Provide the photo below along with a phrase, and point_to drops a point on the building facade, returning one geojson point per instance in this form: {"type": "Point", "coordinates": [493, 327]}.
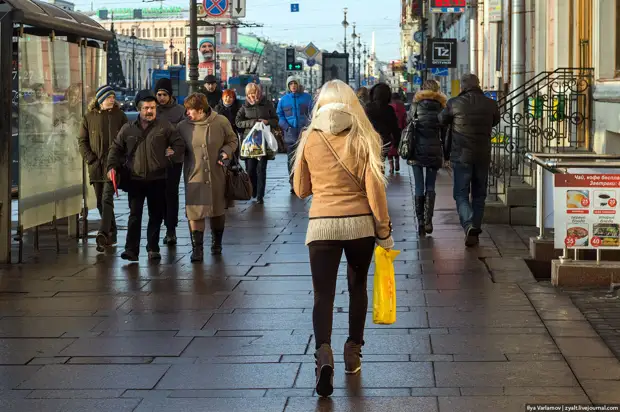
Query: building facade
{"type": "Point", "coordinates": [139, 57]}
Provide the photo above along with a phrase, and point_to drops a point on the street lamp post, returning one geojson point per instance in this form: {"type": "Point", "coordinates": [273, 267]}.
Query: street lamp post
{"type": "Point", "coordinates": [365, 62]}
{"type": "Point", "coordinates": [133, 62]}
{"type": "Point", "coordinates": [193, 46]}
{"type": "Point", "coordinates": [345, 24]}
{"type": "Point", "coordinates": [359, 60]}
{"type": "Point", "coordinates": [353, 36]}
{"type": "Point", "coordinates": [150, 77]}
{"type": "Point", "coordinates": [171, 47]}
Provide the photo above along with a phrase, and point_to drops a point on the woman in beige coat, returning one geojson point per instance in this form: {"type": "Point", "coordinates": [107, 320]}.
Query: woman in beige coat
{"type": "Point", "coordinates": [209, 139]}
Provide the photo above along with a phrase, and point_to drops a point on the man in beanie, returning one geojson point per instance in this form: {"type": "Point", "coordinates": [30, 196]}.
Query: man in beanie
{"type": "Point", "coordinates": [211, 90]}
{"type": "Point", "coordinates": [155, 145]}
{"type": "Point", "coordinates": [294, 114]}
{"type": "Point", "coordinates": [168, 109]}
{"type": "Point", "coordinates": [100, 126]}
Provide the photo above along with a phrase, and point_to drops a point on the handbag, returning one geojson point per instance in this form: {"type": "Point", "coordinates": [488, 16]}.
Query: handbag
{"type": "Point", "coordinates": [238, 184]}
{"type": "Point", "coordinates": [406, 148]}
{"type": "Point", "coordinates": [124, 172]}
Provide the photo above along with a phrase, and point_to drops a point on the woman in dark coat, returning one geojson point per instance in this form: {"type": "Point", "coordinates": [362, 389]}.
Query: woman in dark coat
{"type": "Point", "coordinates": [428, 152]}
{"type": "Point", "coordinates": [257, 108]}
{"type": "Point", "coordinates": [383, 117]}
{"type": "Point", "coordinates": [229, 107]}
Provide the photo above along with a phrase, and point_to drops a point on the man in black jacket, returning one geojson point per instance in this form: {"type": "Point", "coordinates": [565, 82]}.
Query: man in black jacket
{"type": "Point", "coordinates": [155, 144]}
{"type": "Point", "coordinates": [472, 117]}
{"type": "Point", "coordinates": [211, 90]}
{"type": "Point", "coordinates": [168, 109]}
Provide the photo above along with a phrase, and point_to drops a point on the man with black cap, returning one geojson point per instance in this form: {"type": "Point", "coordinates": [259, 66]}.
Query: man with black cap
{"type": "Point", "coordinates": [147, 146]}
{"type": "Point", "coordinates": [211, 90]}
{"type": "Point", "coordinates": [169, 109]}
{"type": "Point", "coordinates": [99, 129]}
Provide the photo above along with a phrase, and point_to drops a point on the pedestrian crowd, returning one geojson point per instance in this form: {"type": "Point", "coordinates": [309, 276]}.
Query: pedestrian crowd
{"type": "Point", "coordinates": [337, 146]}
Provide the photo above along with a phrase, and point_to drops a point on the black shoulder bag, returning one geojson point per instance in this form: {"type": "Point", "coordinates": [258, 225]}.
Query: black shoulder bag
{"type": "Point", "coordinates": [124, 173]}
{"type": "Point", "coordinates": [238, 183]}
{"type": "Point", "coordinates": [406, 148]}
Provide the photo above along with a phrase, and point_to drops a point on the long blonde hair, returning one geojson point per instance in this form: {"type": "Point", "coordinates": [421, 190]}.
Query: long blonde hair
{"type": "Point", "coordinates": [362, 141]}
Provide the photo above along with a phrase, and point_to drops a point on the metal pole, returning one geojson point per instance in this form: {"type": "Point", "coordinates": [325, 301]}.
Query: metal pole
{"type": "Point", "coordinates": [517, 70]}
{"type": "Point", "coordinates": [599, 252]}
{"type": "Point", "coordinates": [133, 64]}
{"type": "Point", "coordinates": [6, 46]}
{"type": "Point", "coordinates": [473, 38]}
{"type": "Point", "coordinates": [193, 46]}
{"type": "Point", "coordinates": [540, 200]}
{"type": "Point", "coordinates": [345, 24]}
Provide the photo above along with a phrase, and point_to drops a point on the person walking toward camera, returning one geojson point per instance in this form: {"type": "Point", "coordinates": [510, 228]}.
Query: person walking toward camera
{"type": "Point", "coordinates": [257, 108]}
{"type": "Point", "coordinates": [472, 116]}
{"type": "Point", "coordinates": [428, 151]}
{"type": "Point", "coordinates": [338, 162]}
{"type": "Point", "coordinates": [170, 110]}
{"type": "Point", "coordinates": [99, 129]}
{"type": "Point", "coordinates": [151, 144]}
{"type": "Point", "coordinates": [210, 144]}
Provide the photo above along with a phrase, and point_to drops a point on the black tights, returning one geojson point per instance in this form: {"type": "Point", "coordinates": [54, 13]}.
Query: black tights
{"type": "Point", "coordinates": [324, 262]}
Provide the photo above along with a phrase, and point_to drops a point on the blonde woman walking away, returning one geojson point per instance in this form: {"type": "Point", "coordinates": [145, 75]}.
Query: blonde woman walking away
{"type": "Point", "coordinates": [338, 162]}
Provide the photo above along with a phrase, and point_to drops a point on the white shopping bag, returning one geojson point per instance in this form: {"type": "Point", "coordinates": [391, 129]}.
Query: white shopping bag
{"type": "Point", "coordinates": [272, 143]}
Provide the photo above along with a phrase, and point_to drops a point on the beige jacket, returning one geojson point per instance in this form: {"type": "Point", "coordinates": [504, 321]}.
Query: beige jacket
{"type": "Point", "coordinates": [205, 180]}
{"type": "Point", "coordinates": [340, 210]}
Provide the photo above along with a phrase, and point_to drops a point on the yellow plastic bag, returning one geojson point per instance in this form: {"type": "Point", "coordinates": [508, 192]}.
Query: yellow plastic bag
{"type": "Point", "coordinates": [384, 296]}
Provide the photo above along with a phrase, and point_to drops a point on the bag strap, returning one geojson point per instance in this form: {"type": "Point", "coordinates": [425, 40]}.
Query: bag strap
{"type": "Point", "coordinates": [132, 152]}
{"type": "Point", "coordinates": [346, 169]}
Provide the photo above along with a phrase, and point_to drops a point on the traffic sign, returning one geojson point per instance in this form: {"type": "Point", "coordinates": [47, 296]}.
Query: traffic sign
{"type": "Point", "coordinates": [418, 36]}
{"type": "Point", "coordinates": [417, 80]}
{"type": "Point", "coordinates": [441, 53]}
{"type": "Point", "coordinates": [216, 8]}
{"type": "Point", "coordinates": [294, 7]}
{"type": "Point", "coordinates": [442, 71]}
{"type": "Point", "coordinates": [311, 50]}
{"type": "Point", "coordinates": [311, 62]}
{"type": "Point", "coordinates": [448, 6]}
{"type": "Point", "coordinates": [491, 94]}
{"type": "Point", "coordinates": [238, 9]}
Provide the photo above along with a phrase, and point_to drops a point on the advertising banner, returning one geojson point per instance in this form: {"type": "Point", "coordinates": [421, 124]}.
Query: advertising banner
{"type": "Point", "coordinates": [206, 56]}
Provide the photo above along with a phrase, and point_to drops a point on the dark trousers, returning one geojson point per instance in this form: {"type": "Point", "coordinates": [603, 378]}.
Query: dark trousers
{"type": "Point", "coordinates": [104, 191]}
{"type": "Point", "coordinates": [171, 206]}
{"type": "Point", "coordinates": [470, 179]}
{"type": "Point", "coordinates": [257, 170]}
{"type": "Point", "coordinates": [154, 193]}
{"type": "Point", "coordinates": [324, 262]}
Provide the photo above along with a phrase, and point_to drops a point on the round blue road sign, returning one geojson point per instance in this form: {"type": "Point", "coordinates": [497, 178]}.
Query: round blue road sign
{"type": "Point", "coordinates": [311, 62]}
{"type": "Point", "coordinates": [418, 36]}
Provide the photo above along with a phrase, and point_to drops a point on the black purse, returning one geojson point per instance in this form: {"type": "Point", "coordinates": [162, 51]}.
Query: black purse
{"type": "Point", "coordinates": [238, 183]}
{"type": "Point", "coordinates": [406, 148]}
{"type": "Point", "coordinates": [124, 172]}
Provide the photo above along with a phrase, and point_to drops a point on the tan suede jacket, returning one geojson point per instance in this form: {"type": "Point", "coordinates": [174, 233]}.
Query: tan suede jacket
{"type": "Point", "coordinates": [335, 194]}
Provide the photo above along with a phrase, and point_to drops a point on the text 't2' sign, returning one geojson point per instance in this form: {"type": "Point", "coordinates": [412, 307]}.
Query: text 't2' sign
{"type": "Point", "coordinates": [441, 53]}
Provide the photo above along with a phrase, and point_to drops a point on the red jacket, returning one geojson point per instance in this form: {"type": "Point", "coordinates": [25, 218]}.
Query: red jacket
{"type": "Point", "coordinates": [401, 113]}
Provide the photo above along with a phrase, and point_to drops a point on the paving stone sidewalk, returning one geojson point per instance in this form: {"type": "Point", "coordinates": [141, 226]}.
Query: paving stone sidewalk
{"type": "Point", "coordinates": [474, 332]}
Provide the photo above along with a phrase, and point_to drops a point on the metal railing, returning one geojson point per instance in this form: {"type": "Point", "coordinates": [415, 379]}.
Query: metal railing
{"type": "Point", "coordinates": [557, 163]}
{"type": "Point", "coordinates": [551, 113]}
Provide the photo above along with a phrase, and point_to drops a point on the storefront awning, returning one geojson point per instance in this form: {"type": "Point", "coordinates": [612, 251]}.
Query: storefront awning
{"type": "Point", "coordinates": [44, 15]}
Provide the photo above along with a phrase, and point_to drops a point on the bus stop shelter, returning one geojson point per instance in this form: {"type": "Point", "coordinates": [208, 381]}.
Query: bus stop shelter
{"type": "Point", "coordinates": [51, 64]}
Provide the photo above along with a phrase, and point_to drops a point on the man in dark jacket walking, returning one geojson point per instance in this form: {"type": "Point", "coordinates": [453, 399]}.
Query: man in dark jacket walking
{"type": "Point", "coordinates": [211, 90]}
{"type": "Point", "coordinates": [99, 129]}
{"type": "Point", "coordinates": [155, 144]}
{"type": "Point", "coordinates": [168, 109]}
{"type": "Point", "coordinates": [472, 116]}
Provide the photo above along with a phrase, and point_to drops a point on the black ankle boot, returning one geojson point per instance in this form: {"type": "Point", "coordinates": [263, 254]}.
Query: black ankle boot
{"type": "Point", "coordinates": [216, 242]}
{"type": "Point", "coordinates": [419, 212]}
{"type": "Point", "coordinates": [429, 208]}
{"type": "Point", "coordinates": [198, 246]}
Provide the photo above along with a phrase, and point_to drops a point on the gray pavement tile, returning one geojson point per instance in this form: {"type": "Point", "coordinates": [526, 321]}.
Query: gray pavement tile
{"type": "Point", "coordinates": [12, 376]}
{"type": "Point", "coordinates": [213, 405]}
{"type": "Point", "coordinates": [468, 374]}
{"type": "Point", "coordinates": [207, 393]}
{"type": "Point", "coordinates": [595, 368]}
{"type": "Point", "coordinates": [526, 357]}
{"type": "Point", "coordinates": [570, 328]}
{"type": "Point", "coordinates": [309, 358]}
{"type": "Point", "coordinates": [76, 394]}
{"type": "Point", "coordinates": [482, 391]}
{"type": "Point", "coordinates": [451, 317]}
{"type": "Point", "coordinates": [501, 403]}
{"type": "Point", "coordinates": [156, 321]}
{"type": "Point", "coordinates": [373, 375]}
{"type": "Point", "coordinates": [172, 303]}
{"type": "Point", "coordinates": [45, 327]}
{"type": "Point", "coordinates": [289, 393]}
{"type": "Point", "coordinates": [42, 305]}
{"type": "Point", "coordinates": [379, 404]}
{"type": "Point", "coordinates": [49, 360]}
{"type": "Point", "coordinates": [492, 344]}
{"type": "Point", "coordinates": [64, 405]}
{"type": "Point", "coordinates": [20, 351]}
{"type": "Point", "coordinates": [357, 391]}
{"type": "Point", "coordinates": [240, 346]}
{"type": "Point", "coordinates": [543, 391]}
{"type": "Point", "coordinates": [575, 347]}
{"type": "Point", "coordinates": [127, 346]}
{"type": "Point", "coordinates": [386, 345]}
{"type": "Point", "coordinates": [480, 357]}
{"type": "Point", "coordinates": [95, 377]}
{"type": "Point", "coordinates": [110, 360]}
{"type": "Point", "coordinates": [229, 376]}
{"type": "Point", "coordinates": [434, 282]}
{"type": "Point", "coordinates": [498, 330]}
{"type": "Point", "coordinates": [240, 359]}
{"type": "Point", "coordinates": [602, 391]}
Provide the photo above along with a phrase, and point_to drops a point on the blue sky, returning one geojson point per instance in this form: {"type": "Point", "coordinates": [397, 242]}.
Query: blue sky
{"type": "Point", "coordinates": [318, 21]}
